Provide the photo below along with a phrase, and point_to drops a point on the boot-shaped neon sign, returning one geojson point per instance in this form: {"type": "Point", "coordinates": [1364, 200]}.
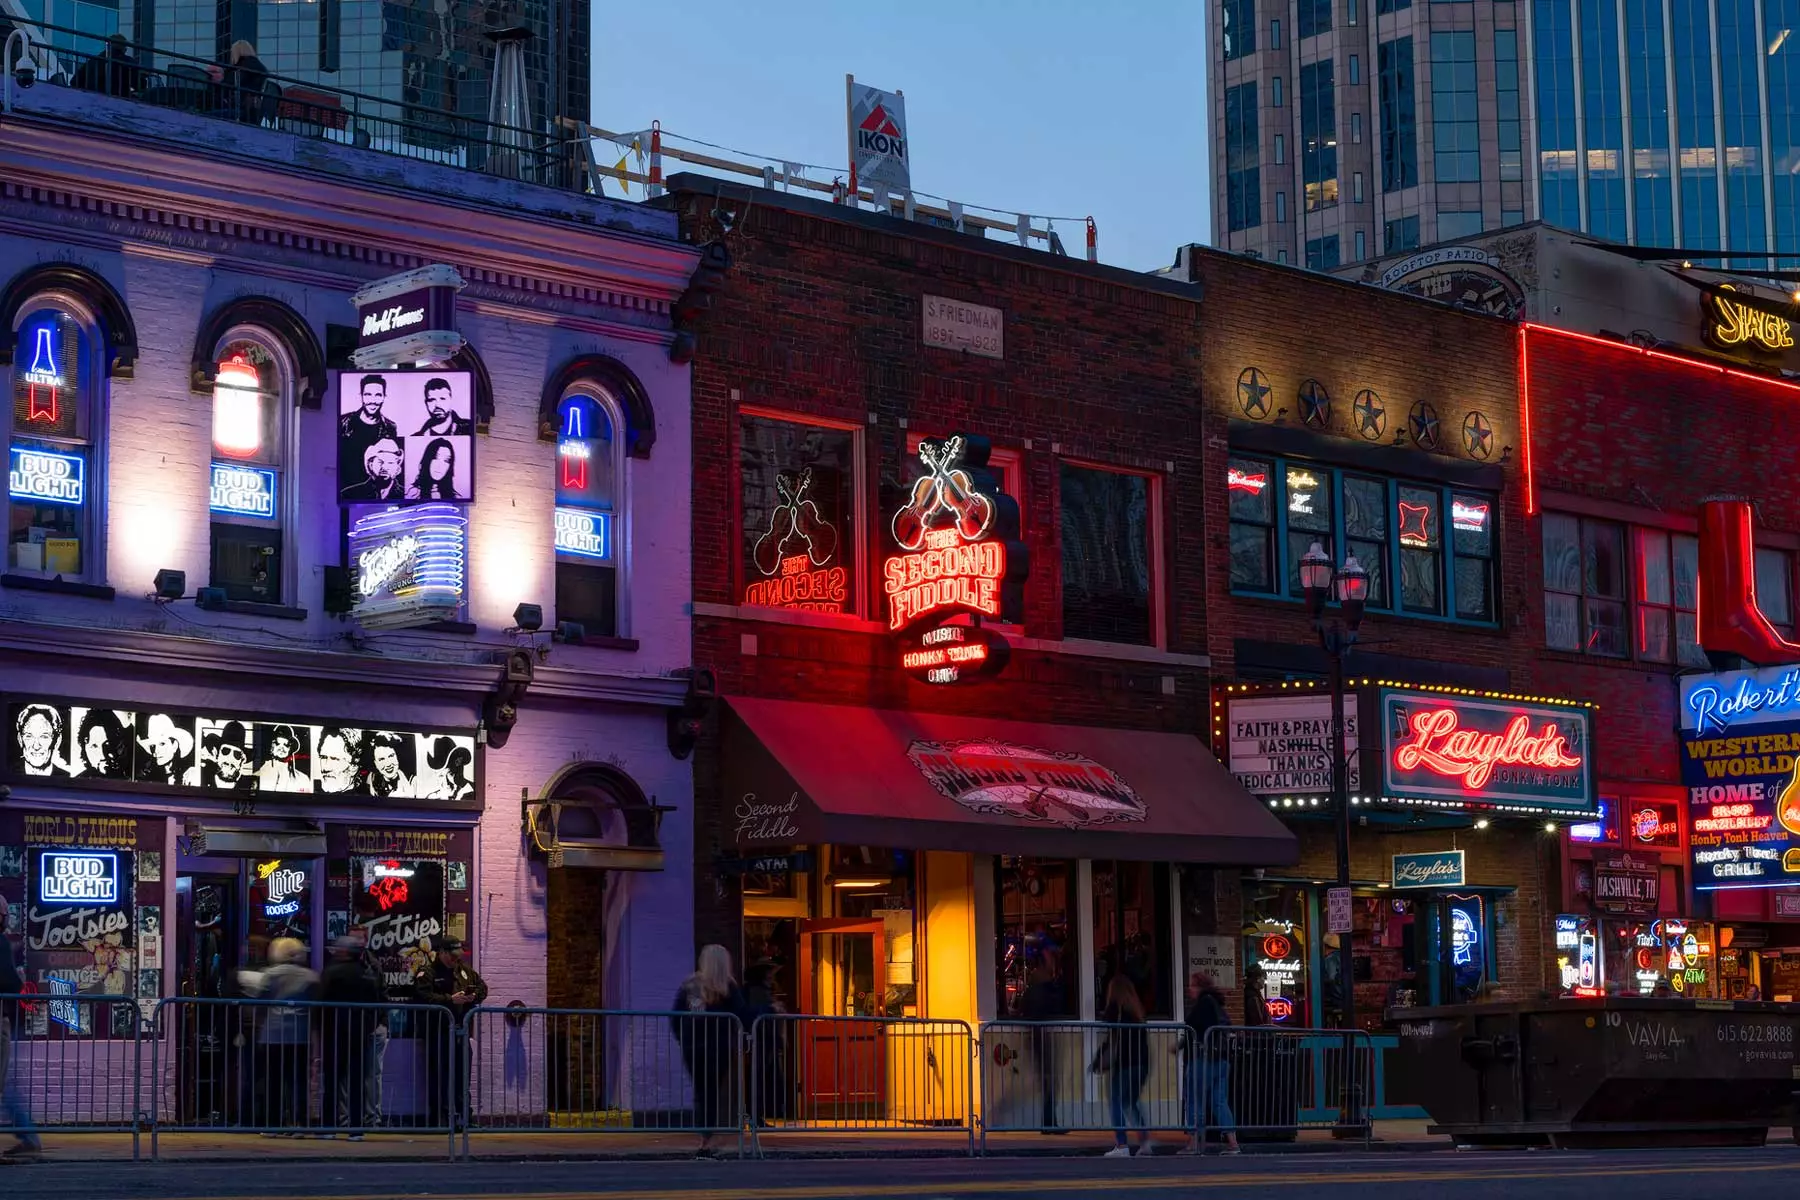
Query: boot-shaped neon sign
{"type": "Point", "coordinates": [1730, 621]}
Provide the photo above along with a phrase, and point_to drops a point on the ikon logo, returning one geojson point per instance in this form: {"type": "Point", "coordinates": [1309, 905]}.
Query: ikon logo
{"type": "Point", "coordinates": [879, 134]}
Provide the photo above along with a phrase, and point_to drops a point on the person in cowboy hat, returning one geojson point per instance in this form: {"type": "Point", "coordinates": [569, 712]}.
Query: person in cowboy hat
{"type": "Point", "coordinates": [225, 760]}
{"type": "Point", "coordinates": [280, 771]}
{"type": "Point", "coordinates": [167, 747]}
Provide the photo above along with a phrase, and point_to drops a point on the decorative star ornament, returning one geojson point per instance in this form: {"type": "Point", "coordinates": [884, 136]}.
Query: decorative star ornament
{"type": "Point", "coordinates": [1370, 414]}
{"type": "Point", "coordinates": [1478, 436]}
{"type": "Point", "coordinates": [1315, 403]}
{"type": "Point", "coordinates": [1423, 423]}
{"type": "Point", "coordinates": [1253, 393]}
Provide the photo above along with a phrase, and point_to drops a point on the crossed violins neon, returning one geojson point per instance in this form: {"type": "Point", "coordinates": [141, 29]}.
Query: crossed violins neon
{"type": "Point", "coordinates": [794, 520]}
{"type": "Point", "coordinates": [957, 534]}
{"type": "Point", "coordinates": [945, 490]}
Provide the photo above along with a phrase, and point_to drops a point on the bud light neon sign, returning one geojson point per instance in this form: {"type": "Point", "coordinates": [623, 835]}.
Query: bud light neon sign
{"type": "Point", "coordinates": [243, 491]}
{"type": "Point", "coordinates": [46, 476]}
{"type": "Point", "coordinates": [78, 877]}
{"type": "Point", "coordinates": [584, 534]}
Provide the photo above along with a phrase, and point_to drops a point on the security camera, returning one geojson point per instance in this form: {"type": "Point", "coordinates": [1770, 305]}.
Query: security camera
{"type": "Point", "coordinates": [24, 75]}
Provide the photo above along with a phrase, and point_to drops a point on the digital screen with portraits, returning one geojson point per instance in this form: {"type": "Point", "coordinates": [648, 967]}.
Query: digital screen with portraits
{"type": "Point", "coordinates": [54, 739]}
{"type": "Point", "coordinates": [405, 437]}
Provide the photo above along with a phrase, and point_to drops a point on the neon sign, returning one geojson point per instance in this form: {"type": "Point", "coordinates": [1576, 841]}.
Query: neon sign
{"type": "Point", "coordinates": [1438, 745]}
{"type": "Point", "coordinates": [800, 585]}
{"type": "Point", "coordinates": [243, 491]}
{"type": "Point", "coordinates": [1713, 703]}
{"type": "Point", "coordinates": [1253, 482]}
{"type": "Point", "coordinates": [1302, 487]}
{"type": "Point", "coordinates": [955, 654]}
{"type": "Point", "coordinates": [1735, 323]}
{"type": "Point", "coordinates": [237, 409]}
{"type": "Point", "coordinates": [958, 539]}
{"type": "Point", "coordinates": [1470, 518]}
{"type": "Point", "coordinates": [284, 884]}
{"type": "Point", "coordinates": [78, 877]}
{"type": "Point", "coordinates": [584, 533]}
{"type": "Point", "coordinates": [796, 553]}
{"type": "Point", "coordinates": [1280, 1008]}
{"type": "Point", "coordinates": [410, 565]}
{"type": "Point", "coordinates": [1465, 936]}
{"type": "Point", "coordinates": [1277, 946]}
{"type": "Point", "coordinates": [46, 476]}
{"type": "Point", "coordinates": [1415, 524]}
{"type": "Point", "coordinates": [573, 457]}
{"type": "Point", "coordinates": [43, 374]}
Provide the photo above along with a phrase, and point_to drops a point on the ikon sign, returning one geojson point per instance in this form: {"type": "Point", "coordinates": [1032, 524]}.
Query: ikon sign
{"type": "Point", "coordinates": [954, 654]}
{"type": "Point", "coordinates": [958, 541]}
{"type": "Point", "coordinates": [1472, 750]}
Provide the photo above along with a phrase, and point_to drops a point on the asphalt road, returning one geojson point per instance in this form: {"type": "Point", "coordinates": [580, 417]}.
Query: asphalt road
{"type": "Point", "coordinates": [1543, 1175]}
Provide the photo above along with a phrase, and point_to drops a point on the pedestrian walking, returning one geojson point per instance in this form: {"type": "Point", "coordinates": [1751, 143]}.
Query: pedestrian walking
{"type": "Point", "coordinates": [1045, 1000]}
{"type": "Point", "coordinates": [448, 983]}
{"type": "Point", "coordinates": [1208, 1066]}
{"type": "Point", "coordinates": [709, 1044]}
{"type": "Point", "coordinates": [770, 1083]}
{"type": "Point", "coordinates": [376, 1059]}
{"type": "Point", "coordinates": [282, 1059]}
{"type": "Point", "coordinates": [349, 993]}
{"type": "Point", "coordinates": [1126, 1055]}
{"type": "Point", "coordinates": [27, 1147]}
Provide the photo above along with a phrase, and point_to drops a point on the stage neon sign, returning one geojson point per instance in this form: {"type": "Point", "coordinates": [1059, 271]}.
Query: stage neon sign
{"type": "Point", "coordinates": [957, 536]}
{"type": "Point", "coordinates": [1439, 745]}
{"type": "Point", "coordinates": [1736, 323]}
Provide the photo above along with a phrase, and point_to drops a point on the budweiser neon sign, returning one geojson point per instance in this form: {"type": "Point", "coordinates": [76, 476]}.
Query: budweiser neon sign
{"type": "Point", "coordinates": [957, 535]}
{"type": "Point", "coordinates": [1471, 755]}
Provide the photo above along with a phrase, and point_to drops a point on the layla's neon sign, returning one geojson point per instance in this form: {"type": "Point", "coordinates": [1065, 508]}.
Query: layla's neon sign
{"type": "Point", "coordinates": [957, 535]}
{"type": "Point", "coordinates": [1736, 324]}
{"type": "Point", "coordinates": [1440, 746]}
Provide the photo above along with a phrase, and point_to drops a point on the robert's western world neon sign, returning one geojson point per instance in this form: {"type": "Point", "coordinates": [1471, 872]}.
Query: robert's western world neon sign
{"type": "Point", "coordinates": [958, 553]}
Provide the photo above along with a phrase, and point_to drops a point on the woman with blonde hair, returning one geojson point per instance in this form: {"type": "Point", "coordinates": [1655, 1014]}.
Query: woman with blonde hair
{"type": "Point", "coordinates": [709, 1042]}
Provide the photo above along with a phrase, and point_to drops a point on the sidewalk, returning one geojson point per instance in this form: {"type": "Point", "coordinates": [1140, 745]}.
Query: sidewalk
{"type": "Point", "coordinates": [60, 1146]}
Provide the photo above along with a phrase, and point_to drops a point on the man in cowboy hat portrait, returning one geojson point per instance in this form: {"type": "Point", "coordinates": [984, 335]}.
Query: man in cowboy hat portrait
{"type": "Point", "coordinates": [224, 758]}
{"type": "Point", "coordinates": [168, 748]}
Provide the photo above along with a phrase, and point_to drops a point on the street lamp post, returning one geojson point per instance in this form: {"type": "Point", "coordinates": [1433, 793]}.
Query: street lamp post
{"type": "Point", "coordinates": [1321, 581]}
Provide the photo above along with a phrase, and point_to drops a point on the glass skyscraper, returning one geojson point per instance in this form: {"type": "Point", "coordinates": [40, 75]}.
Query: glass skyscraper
{"type": "Point", "coordinates": [1671, 123]}
{"type": "Point", "coordinates": [426, 56]}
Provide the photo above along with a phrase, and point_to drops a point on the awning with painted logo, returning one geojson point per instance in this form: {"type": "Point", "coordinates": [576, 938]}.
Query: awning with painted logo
{"type": "Point", "coordinates": [799, 773]}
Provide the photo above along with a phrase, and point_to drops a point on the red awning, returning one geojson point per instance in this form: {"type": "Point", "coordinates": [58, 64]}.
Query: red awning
{"type": "Point", "coordinates": [800, 773]}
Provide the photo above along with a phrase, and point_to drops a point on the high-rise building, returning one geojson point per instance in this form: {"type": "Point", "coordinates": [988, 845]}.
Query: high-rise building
{"type": "Point", "coordinates": [432, 57]}
{"type": "Point", "coordinates": [1348, 129]}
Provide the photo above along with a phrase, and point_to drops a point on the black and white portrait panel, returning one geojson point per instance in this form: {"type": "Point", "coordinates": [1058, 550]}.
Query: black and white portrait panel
{"type": "Point", "coordinates": [165, 750]}
{"type": "Point", "coordinates": [104, 745]}
{"type": "Point", "coordinates": [406, 437]}
{"type": "Point", "coordinates": [446, 768]}
{"type": "Point", "coordinates": [392, 763]}
{"type": "Point", "coordinates": [283, 757]}
{"type": "Point", "coordinates": [226, 755]}
{"type": "Point", "coordinates": [339, 752]}
{"type": "Point", "coordinates": [40, 739]}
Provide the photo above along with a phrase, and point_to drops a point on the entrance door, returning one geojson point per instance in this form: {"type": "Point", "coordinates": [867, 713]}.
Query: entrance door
{"type": "Point", "coordinates": [207, 927]}
{"type": "Point", "coordinates": [843, 1063]}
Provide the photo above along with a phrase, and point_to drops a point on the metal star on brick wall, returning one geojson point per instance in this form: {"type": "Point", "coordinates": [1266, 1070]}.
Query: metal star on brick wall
{"type": "Point", "coordinates": [1253, 393]}
{"type": "Point", "coordinates": [1478, 436]}
{"type": "Point", "coordinates": [1423, 422]}
{"type": "Point", "coordinates": [1370, 414]}
{"type": "Point", "coordinates": [1315, 403]}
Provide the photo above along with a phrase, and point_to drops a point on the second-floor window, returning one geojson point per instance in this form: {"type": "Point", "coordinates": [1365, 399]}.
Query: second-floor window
{"type": "Point", "coordinates": [54, 446]}
{"type": "Point", "coordinates": [1107, 555]}
{"type": "Point", "coordinates": [798, 485]}
{"type": "Point", "coordinates": [248, 487]}
{"type": "Point", "coordinates": [589, 475]}
{"type": "Point", "coordinates": [1430, 550]}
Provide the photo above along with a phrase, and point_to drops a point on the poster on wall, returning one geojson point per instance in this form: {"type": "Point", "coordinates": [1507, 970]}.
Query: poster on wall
{"type": "Point", "coordinates": [232, 754]}
{"type": "Point", "coordinates": [1281, 745]}
{"type": "Point", "coordinates": [79, 930]}
{"type": "Point", "coordinates": [1486, 751]}
{"type": "Point", "coordinates": [399, 906]}
{"type": "Point", "coordinates": [1740, 763]}
{"type": "Point", "coordinates": [405, 437]}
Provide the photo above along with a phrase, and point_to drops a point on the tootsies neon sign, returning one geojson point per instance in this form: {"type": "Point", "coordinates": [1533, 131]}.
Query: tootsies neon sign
{"type": "Point", "coordinates": [1529, 756]}
{"type": "Point", "coordinates": [958, 540]}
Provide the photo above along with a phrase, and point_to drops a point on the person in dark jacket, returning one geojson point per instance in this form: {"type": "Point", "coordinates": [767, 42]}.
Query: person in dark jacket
{"type": "Point", "coordinates": [1046, 1000]}
{"type": "Point", "coordinates": [113, 71]}
{"type": "Point", "coordinates": [1126, 1054]}
{"type": "Point", "coordinates": [1208, 1067]}
{"type": "Point", "coordinates": [710, 1044]}
{"type": "Point", "coordinates": [1256, 998]}
{"type": "Point", "coordinates": [349, 1028]}
{"type": "Point", "coordinates": [448, 983]}
{"type": "Point", "coordinates": [12, 1091]}
{"type": "Point", "coordinates": [771, 1077]}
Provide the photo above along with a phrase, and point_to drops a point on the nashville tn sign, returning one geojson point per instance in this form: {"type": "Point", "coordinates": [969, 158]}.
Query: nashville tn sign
{"type": "Point", "coordinates": [958, 554]}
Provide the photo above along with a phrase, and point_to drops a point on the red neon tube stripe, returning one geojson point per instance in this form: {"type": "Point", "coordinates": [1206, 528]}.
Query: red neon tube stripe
{"type": "Point", "coordinates": [1525, 419]}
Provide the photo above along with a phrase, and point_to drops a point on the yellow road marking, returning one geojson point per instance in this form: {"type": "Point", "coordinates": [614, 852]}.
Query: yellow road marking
{"type": "Point", "coordinates": [951, 1186]}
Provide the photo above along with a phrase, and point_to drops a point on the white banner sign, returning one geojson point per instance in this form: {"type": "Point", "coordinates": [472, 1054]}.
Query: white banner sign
{"type": "Point", "coordinates": [1281, 745]}
{"type": "Point", "coordinates": [1217, 956]}
{"type": "Point", "coordinates": [878, 152]}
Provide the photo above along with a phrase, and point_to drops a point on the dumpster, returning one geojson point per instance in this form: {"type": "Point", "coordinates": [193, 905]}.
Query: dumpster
{"type": "Point", "coordinates": [1620, 1072]}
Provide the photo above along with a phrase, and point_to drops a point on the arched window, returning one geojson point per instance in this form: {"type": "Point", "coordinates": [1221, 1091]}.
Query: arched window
{"type": "Point", "coordinates": [590, 486]}
{"type": "Point", "coordinates": [252, 405]}
{"type": "Point", "coordinates": [54, 460]}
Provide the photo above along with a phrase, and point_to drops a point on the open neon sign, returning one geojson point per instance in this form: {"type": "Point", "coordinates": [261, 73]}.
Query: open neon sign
{"type": "Point", "coordinates": [957, 534]}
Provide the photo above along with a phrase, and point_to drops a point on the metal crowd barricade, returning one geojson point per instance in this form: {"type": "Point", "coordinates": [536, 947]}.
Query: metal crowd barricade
{"type": "Point", "coordinates": [541, 1070]}
{"type": "Point", "coordinates": [1082, 1075]}
{"type": "Point", "coordinates": [1277, 1082]}
{"type": "Point", "coordinates": [297, 1068]}
{"type": "Point", "coordinates": [860, 1075]}
{"type": "Point", "coordinates": [72, 1063]}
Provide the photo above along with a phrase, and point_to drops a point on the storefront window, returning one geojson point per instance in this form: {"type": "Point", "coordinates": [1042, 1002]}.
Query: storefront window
{"type": "Point", "coordinates": [51, 456]}
{"type": "Point", "coordinates": [1131, 932]}
{"type": "Point", "coordinates": [797, 501]}
{"type": "Point", "coordinates": [1035, 971]}
{"type": "Point", "coordinates": [281, 893]}
{"type": "Point", "coordinates": [1275, 941]}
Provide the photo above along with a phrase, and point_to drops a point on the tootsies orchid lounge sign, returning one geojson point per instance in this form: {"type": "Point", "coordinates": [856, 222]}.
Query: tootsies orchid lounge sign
{"type": "Point", "coordinates": [1454, 750]}
{"type": "Point", "coordinates": [56, 742]}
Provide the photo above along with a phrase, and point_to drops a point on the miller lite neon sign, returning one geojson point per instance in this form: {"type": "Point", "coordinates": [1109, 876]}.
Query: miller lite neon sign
{"type": "Point", "coordinates": [958, 541]}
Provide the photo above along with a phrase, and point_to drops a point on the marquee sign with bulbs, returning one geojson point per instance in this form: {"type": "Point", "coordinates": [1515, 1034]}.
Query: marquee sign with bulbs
{"type": "Point", "coordinates": [957, 560]}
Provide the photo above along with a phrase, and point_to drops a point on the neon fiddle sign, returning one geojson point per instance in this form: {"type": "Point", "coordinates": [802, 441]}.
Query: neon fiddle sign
{"type": "Point", "coordinates": [957, 535]}
{"type": "Point", "coordinates": [1440, 746]}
